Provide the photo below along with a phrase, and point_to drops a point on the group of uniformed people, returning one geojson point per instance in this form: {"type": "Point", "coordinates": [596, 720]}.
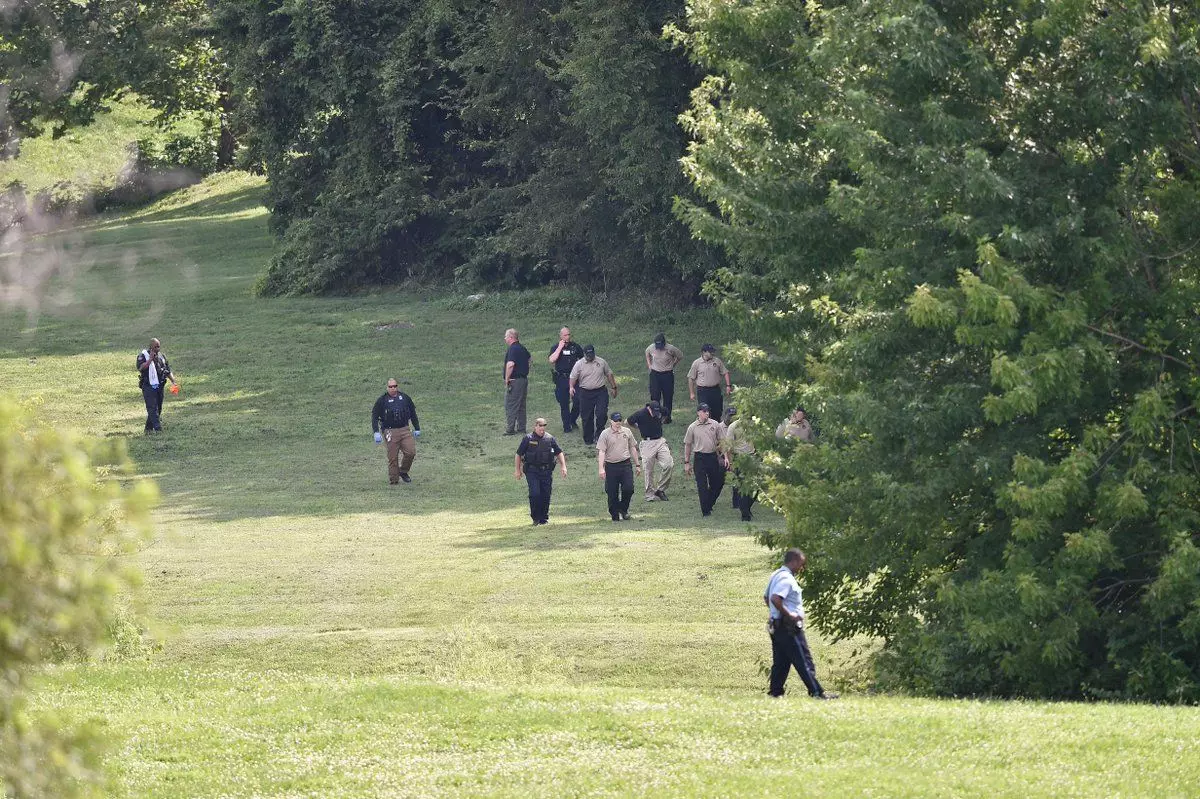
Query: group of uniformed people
{"type": "Point", "coordinates": [583, 385]}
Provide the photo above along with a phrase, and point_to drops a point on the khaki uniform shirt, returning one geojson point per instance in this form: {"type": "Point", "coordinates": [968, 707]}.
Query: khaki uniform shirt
{"type": "Point", "coordinates": [789, 429]}
{"type": "Point", "coordinates": [737, 443]}
{"type": "Point", "coordinates": [664, 360]}
{"type": "Point", "coordinates": [707, 374]}
{"type": "Point", "coordinates": [591, 375]}
{"type": "Point", "coordinates": [704, 437]}
{"type": "Point", "coordinates": [616, 447]}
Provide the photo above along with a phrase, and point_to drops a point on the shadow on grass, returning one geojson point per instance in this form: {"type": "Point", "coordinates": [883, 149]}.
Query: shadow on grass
{"type": "Point", "coordinates": [601, 531]}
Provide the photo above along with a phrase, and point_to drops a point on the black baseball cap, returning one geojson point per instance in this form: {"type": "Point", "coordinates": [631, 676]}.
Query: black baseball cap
{"type": "Point", "coordinates": [660, 341]}
{"type": "Point", "coordinates": [616, 416]}
{"type": "Point", "coordinates": [654, 405]}
{"type": "Point", "coordinates": [708, 348]}
{"type": "Point", "coordinates": [588, 349]}
{"type": "Point", "coordinates": [703, 407]}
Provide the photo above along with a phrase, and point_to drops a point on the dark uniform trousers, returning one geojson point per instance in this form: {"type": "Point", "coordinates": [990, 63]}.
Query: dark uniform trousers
{"type": "Point", "coordinates": [662, 388]}
{"type": "Point", "coordinates": [568, 406]}
{"type": "Point", "coordinates": [710, 479]}
{"type": "Point", "coordinates": [154, 402]}
{"type": "Point", "coordinates": [593, 409]}
{"type": "Point", "coordinates": [541, 482]}
{"type": "Point", "coordinates": [742, 501]}
{"type": "Point", "coordinates": [618, 484]}
{"type": "Point", "coordinates": [790, 648]}
{"type": "Point", "coordinates": [715, 399]}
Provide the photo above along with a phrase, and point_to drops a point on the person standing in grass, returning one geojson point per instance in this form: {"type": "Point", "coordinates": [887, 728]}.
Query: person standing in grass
{"type": "Point", "coordinates": [562, 360]}
{"type": "Point", "coordinates": [789, 646]}
{"type": "Point", "coordinates": [738, 447]}
{"type": "Point", "coordinates": [704, 380]}
{"type": "Point", "coordinates": [701, 443]}
{"type": "Point", "coordinates": [653, 450]}
{"type": "Point", "coordinates": [153, 374]}
{"type": "Point", "coordinates": [589, 380]}
{"type": "Point", "coordinates": [617, 457]}
{"type": "Point", "coordinates": [661, 359]}
{"type": "Point", "coordinates": [390, 418]}
{"type": "Point", "coordinates": [516, 383]}
{"type": "Point", "coordinates": [536, 455]}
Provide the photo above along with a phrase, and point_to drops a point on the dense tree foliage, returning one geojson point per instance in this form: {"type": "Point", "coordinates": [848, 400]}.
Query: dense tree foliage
{"type": "Point", "coordinates": [64, 521]}
{"type": "Point", "coordinates": [507, 142]}
{"type": "Point", "coordinates": [963, 234]}
{"type": "Point", "coordinates": [61, 61]}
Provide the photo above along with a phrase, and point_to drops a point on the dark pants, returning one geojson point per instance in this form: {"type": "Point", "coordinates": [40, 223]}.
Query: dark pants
{"type": "Point", "coordinates": [568, 406]}
{"type": "Point", "coordinates": [154, 401]}
{"type": "Point", "coordinates": [593, 410]}
{"type": "Point", "coordinates": [662, 388]}
{"type": "Point", "coordinates": [540, 481]}
{"type": "Point", "coordinates": [715, 399]}
{"type": "Point", "coordinates": [618, 484]}
{"type": "Point", "coordinates": [787, 650]}
{"type": "Point", "coordinates": [710, 479]}
{"type": "Point", "coordinates": [742, 502]}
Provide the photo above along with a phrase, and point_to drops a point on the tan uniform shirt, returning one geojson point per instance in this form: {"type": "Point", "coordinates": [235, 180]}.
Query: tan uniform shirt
{"type": "Point", "coordinates": [737, 442]}
{"type": "Point", "coordinates": [664, 360]}
{"type": "Point", "coordinates": [591, 375]}
{"type": "Point", "coordinates": [616, 447]}
{"type": "Point", "coordinates": [707, 374]}
{"type": "Point", "coordinates": [704, 437]}
{"type": "Point", "coordinates": [789, 429]}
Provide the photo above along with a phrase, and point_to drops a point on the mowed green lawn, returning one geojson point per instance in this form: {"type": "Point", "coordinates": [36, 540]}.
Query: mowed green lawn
{"type": "Point", "coordinates": [324, 634]}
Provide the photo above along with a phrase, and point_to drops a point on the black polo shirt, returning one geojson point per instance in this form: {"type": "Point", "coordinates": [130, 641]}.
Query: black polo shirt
{"type": "Point", "coordinates": [571, 352]}
{"type": "Point", "coordinates": [646, 424]}
{"type": "Point", "coordinates": [520, 359]}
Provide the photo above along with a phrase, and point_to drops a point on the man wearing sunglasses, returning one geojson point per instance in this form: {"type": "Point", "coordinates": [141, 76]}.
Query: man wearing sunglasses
{"type": "Point", "coordinates": [389, 421]}
{"type": "Point", "coordinates": [536, 456]}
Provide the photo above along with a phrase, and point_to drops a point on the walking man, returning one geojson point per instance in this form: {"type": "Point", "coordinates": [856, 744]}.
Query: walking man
{"type": "Point", "coordinates": [389, 421]}
{"type": "Point", "coordinates": [617, 457]}
{"type": "Point", "coordinates": [704, 379]}
{"type": "Point", "coordinates": [535, 459]}
{"type": "Point", "coordinates": [653, 450]}
{"type": "Point", "coordinates": [661, 359]}
{"type": "Point", "coordinates": [516, 383]}
{"type": "Point", "coordinates": [789, 646]}
{"type": "Point", "coordinates": [153, 372]}
{"type": "Point", "coordinates": [700, 444]}
{"type": "Point", "coordinates": [738, 448]}
{"type": "Point", "coordinates": [562, 358]}
{"type": "Point", "coordinates": [591, 379]}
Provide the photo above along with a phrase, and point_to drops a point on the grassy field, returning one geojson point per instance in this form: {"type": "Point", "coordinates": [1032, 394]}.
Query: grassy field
{"type": "Point", "coordinates": [323, 634]}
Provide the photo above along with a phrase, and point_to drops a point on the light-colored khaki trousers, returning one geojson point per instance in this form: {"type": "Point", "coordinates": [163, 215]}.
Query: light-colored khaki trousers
{"type": "Point", "coordinates": [655, 451]}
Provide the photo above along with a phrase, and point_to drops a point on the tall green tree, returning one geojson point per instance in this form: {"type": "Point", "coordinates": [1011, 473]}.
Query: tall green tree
{"type": "Point", "coordinates": [963, 237]}
{"type": "Point", "coordinates": [506, 142]}
{"type": "Point", "coordinates": [61, 61]}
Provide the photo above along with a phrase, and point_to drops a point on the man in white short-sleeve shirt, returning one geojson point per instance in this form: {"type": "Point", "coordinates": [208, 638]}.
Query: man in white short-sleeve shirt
{"type": "Point", "coordinates": [789, 647]}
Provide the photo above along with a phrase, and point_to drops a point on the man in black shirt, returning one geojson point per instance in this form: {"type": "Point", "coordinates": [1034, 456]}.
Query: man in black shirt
{"type": "Point", "coordinates": [389, 421]}
{"type": "Point", "coordinates": [516, 383]}
{"type": "Point", "coordinates": [562, 358]}
{"type": "Point", "coordinates": [536, 455]}
{"type": "Point", "coordinates": [653, 449]}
